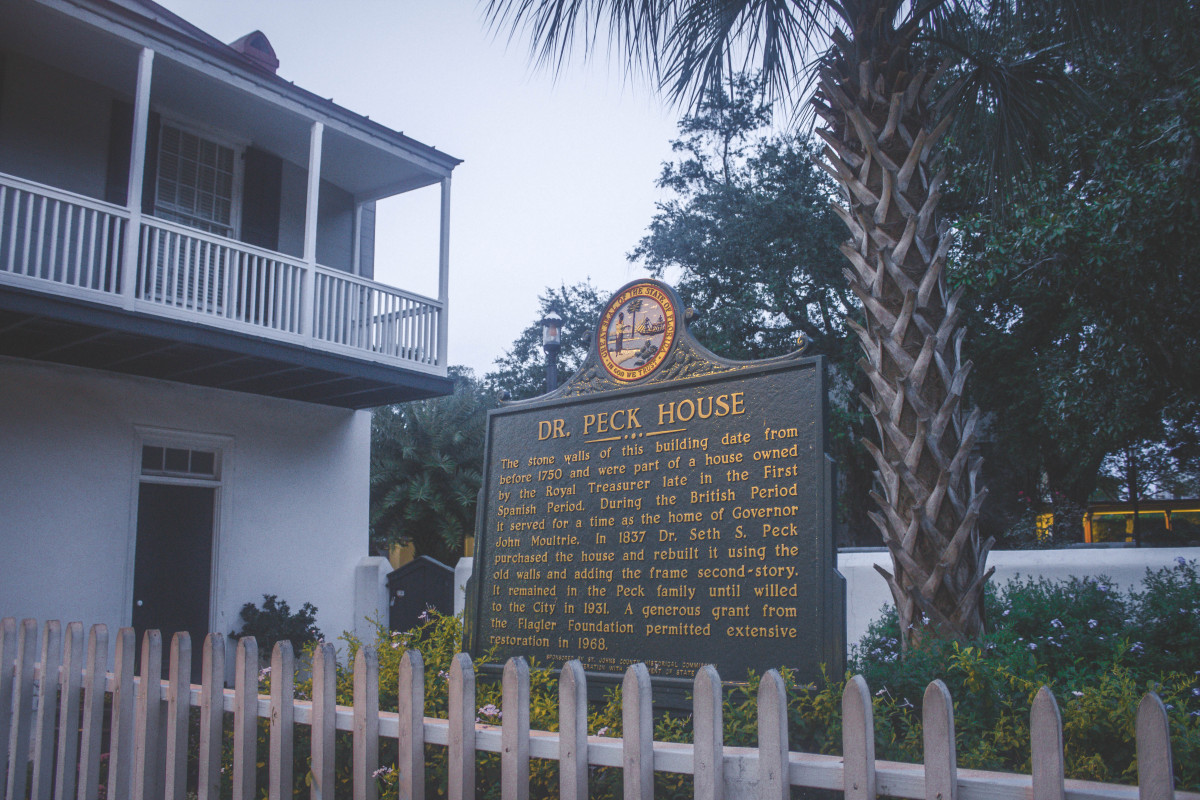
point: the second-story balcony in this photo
(57, 246)
(170, 208)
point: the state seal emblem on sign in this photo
(636, 331)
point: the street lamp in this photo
(551, 342)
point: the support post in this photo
(137, 172)
(307, 300)
(444, 275)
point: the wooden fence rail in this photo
(52, 734)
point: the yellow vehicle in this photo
(1162, 522)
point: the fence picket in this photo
(461, 759)
(709, 754)
(146, 733)
(773, 779)
(410, 762)
(150, 745)
(572, 732)
(324, 669)
(212, 716)
(637, 749)
(22, 713)
(1156, 778)
(47, 708)
(941, 764)
(68, 715)
(858, 740)
(8, 654)
(120, 752)
(514, 731)
(366, 724)
(283, 695)
(179, 690)
(1046, 747)
(90, 741)
(245, 719)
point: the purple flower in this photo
(1181, 561)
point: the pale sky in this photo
(557, 183)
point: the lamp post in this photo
(551, 342)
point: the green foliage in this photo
(749, 238)
(426, 469)
(522, 370)
(749, 231)
(1097, 649)
(275, 622)
(1085, 346)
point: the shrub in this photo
(1098, 650)
(275, 622)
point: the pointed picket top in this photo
(212, 715)
(280, 755)
(120, 753)
(365, 753)
(245, 720)
(774, 780)
(941, 765)
(146, 735)
(68, 717)
(858, 740)
(638, 731)
(324, 722)
(461, 783)
(47, 704)
(572, 732)
(709, 725)
(90, 734)
(1046, 747)
(1156, 780)
(514, 731)
(179, 680)
(410, 763)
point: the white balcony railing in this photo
(58, 242)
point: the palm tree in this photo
(883, 77)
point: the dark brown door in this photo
(172, 570)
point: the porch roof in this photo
(199, 77)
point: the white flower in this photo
(602, 731)
(1092, 623)
(1056, 623)
(1077, 694)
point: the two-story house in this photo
(189, 329)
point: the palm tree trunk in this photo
(882, 133)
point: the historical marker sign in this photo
(665, 506)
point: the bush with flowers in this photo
(1098, 650)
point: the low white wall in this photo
(867, 593)
(292, 509)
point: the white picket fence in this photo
(52, 731)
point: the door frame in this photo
(222, 448)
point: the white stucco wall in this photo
(867, 593)
(292, 507)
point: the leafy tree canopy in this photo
(521, 371)
(426, 462)
(1088, 351)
